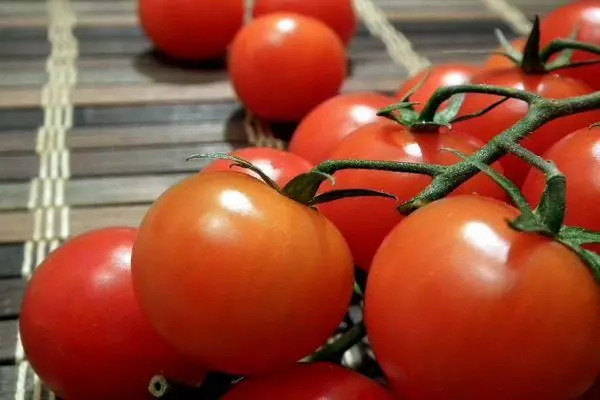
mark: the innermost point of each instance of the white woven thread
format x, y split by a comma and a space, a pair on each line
511, 14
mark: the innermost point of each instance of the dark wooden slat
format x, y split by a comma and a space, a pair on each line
20, 119
85, 219
13, 196
15, 227
11, 293
8, 341
18, 141
11, 260
19, 167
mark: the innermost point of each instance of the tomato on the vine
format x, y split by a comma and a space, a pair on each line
239, 277
309, 382
283, 64
459, 305
191, 30
577, 156
498, 61
337, 14
327, 124
279, 165
82, 329
365, 221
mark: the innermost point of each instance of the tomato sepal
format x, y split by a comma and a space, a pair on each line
333, 195
335, 350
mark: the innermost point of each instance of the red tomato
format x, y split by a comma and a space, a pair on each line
365, 221
279, 165
192, 30
507, 114
561, 23
460, 306
239, 277
82, 329
326, 125
337, 14
320, 381
593, 393
282, 65
497, 61
438, 76
578, 157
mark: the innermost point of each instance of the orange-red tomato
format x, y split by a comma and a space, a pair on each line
578, 157
326, 125
593, 393
282, 65
365, 221
191, 30
460, 306
497, 61
279, 165
320, 381
337, 14
238, 277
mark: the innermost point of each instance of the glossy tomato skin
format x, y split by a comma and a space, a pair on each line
238, 277
365, 221
471, 309
283, 64
191, 30
437, 76
279, 165
337, 14
82, 329
319, 381
507, 114
577, 156
331, 121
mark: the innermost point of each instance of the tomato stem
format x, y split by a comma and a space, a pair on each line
339, 346
332, 166
559, 45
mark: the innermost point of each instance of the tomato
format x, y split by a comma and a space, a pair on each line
507, 114
577, 156
593, 393
319, 381
561, 23
282, 65
365, 221
238, 277
191, 30
437, 76
279, 165
337, 14
460, 306
82, 329
326, 125
497, 61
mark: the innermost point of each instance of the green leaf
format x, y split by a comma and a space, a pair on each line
346, 193
304, 187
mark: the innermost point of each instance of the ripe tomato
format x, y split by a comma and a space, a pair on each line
191, 30
460, 306
365, 221
438, 76
319, 381
82, 329
279, 165
282, 65
578, 157
593, 393
326, 125
505, 115
561, 23
337, 14
237, 276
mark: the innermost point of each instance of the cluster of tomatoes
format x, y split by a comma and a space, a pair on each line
231, 272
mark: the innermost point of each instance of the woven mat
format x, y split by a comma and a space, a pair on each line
93, 127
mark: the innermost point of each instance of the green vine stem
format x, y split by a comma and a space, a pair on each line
558, 45
339, 346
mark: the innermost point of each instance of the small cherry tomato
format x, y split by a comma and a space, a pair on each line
279, 165
191, 30
82, 329
282, 65
326, 125
319, 381
577, 156
337, 14
239, 277
459, 305
365, 221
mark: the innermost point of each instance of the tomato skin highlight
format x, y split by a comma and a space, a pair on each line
577, 156
326, 125
191, 30
282, 65
82, 329
500, 315
238, 277
279, 165
365, 221
319, 381
337, 14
